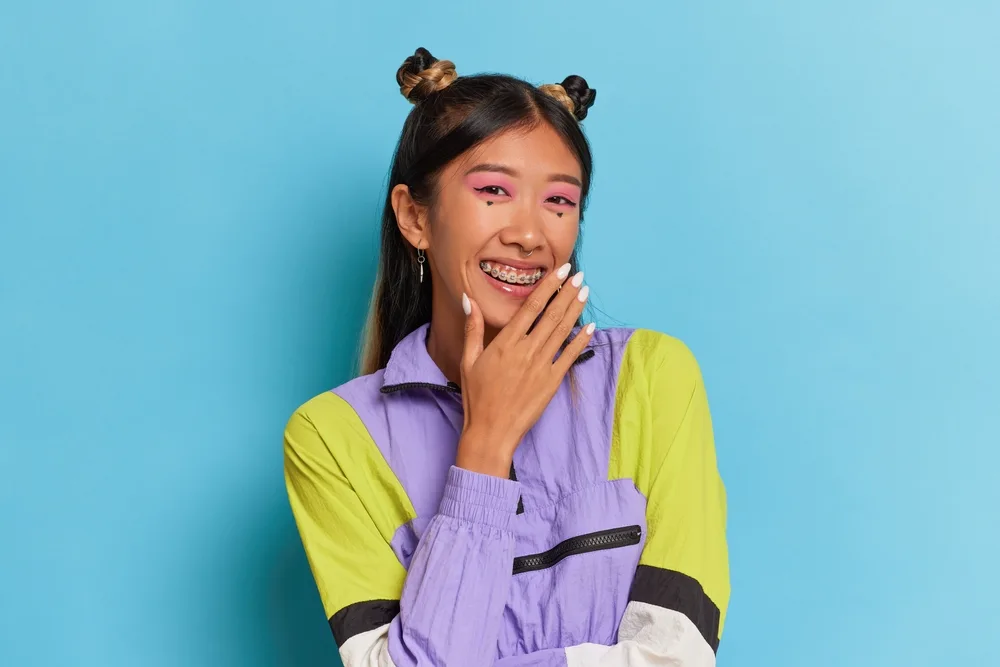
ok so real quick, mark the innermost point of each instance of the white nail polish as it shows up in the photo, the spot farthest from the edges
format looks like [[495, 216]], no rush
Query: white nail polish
[[590, 328], [466, 304], [578, 279], [584, 293], [563, 271]]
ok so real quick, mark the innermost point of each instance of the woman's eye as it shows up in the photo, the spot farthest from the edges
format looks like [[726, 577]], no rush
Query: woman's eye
[[561, 201], [493, 190]]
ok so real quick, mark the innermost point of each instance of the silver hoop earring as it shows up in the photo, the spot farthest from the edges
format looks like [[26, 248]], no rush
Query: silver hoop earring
[[421, 258]]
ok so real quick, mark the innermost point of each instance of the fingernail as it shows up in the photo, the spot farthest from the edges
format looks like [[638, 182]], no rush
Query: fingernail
[[578, 279], [563, 271], [584, 293], [466, 304], [590, 328]]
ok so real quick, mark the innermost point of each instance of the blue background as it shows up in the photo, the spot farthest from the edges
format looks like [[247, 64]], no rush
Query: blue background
[[807, 195]]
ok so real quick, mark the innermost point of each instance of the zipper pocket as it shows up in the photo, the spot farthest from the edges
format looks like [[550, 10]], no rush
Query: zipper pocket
[[605, 539]]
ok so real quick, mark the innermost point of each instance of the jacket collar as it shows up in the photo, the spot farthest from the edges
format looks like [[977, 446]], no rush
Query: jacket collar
[[411, 367]]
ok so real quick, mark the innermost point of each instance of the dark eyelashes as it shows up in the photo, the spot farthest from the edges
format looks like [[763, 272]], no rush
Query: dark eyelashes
[[497, 191]]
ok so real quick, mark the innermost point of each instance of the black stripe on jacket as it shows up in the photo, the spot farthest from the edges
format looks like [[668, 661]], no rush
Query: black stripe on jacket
[[675, 590], [362, 617]]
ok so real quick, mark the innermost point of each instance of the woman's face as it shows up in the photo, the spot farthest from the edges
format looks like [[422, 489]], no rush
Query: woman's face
[[506, 213]]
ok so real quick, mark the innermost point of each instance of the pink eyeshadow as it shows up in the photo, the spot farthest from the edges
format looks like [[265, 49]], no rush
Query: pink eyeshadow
[[564, 190], [484, 179]]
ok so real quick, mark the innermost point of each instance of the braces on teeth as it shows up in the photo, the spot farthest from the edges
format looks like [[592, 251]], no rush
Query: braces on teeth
[[510, 275]]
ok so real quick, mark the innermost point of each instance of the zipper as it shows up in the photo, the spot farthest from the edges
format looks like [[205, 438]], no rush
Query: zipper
[[453, 388], [605, 539]]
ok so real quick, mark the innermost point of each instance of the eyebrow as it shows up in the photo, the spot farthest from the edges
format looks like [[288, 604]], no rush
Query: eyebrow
[[513, 173]]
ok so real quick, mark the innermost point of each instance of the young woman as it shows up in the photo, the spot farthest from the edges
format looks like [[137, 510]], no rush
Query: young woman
[[503, 486]]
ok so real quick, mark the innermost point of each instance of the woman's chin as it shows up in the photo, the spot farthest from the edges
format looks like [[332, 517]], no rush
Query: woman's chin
[[498, 315]]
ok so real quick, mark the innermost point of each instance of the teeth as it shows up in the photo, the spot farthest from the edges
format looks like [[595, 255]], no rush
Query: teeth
[[509, 275]]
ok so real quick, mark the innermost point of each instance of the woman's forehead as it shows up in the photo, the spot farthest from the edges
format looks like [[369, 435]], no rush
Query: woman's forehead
[[536, 151]]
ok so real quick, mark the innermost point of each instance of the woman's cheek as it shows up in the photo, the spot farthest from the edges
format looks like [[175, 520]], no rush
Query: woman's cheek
[[481, 219], [565, 231]]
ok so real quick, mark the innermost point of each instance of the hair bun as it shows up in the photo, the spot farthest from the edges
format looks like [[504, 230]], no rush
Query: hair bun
[[422, 74], [583, 96]]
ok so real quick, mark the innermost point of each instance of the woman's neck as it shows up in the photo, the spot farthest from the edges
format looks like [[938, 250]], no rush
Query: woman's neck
[[446, 342]]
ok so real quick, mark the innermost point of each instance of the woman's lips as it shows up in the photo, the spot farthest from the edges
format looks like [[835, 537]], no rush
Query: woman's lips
[[510, 289]]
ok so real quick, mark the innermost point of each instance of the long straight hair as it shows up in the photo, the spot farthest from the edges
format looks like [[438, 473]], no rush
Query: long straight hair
[[450, 116]]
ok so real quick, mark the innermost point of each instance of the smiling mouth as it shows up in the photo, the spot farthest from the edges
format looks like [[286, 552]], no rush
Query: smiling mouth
[[512, 275]]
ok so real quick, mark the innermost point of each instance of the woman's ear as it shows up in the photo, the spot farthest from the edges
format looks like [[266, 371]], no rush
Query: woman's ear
[[411, 217]]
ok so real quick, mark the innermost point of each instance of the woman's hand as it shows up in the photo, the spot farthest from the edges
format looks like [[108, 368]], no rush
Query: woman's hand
[[506, 387]]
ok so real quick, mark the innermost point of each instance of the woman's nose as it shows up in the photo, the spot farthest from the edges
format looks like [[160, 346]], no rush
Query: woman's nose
[[525, 230]]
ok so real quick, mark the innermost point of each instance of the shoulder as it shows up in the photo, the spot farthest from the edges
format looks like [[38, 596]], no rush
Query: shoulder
[[646, 356], [646, 346], [322, 421], [658, 383], [328, 446], [659, 367], [660, 353], [340, 406]]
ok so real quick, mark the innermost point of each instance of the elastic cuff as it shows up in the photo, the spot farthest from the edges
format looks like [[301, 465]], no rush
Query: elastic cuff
[[479, 498]]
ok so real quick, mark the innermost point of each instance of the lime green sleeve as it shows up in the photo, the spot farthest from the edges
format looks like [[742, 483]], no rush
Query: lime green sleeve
[[347, 505], [663, 439]]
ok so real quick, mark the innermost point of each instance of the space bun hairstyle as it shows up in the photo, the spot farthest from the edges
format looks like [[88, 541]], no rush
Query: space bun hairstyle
[[573, 93], [450, 115], [422, 74]]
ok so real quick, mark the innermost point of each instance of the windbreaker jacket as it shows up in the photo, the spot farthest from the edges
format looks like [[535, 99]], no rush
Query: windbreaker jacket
[[606, 546]]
